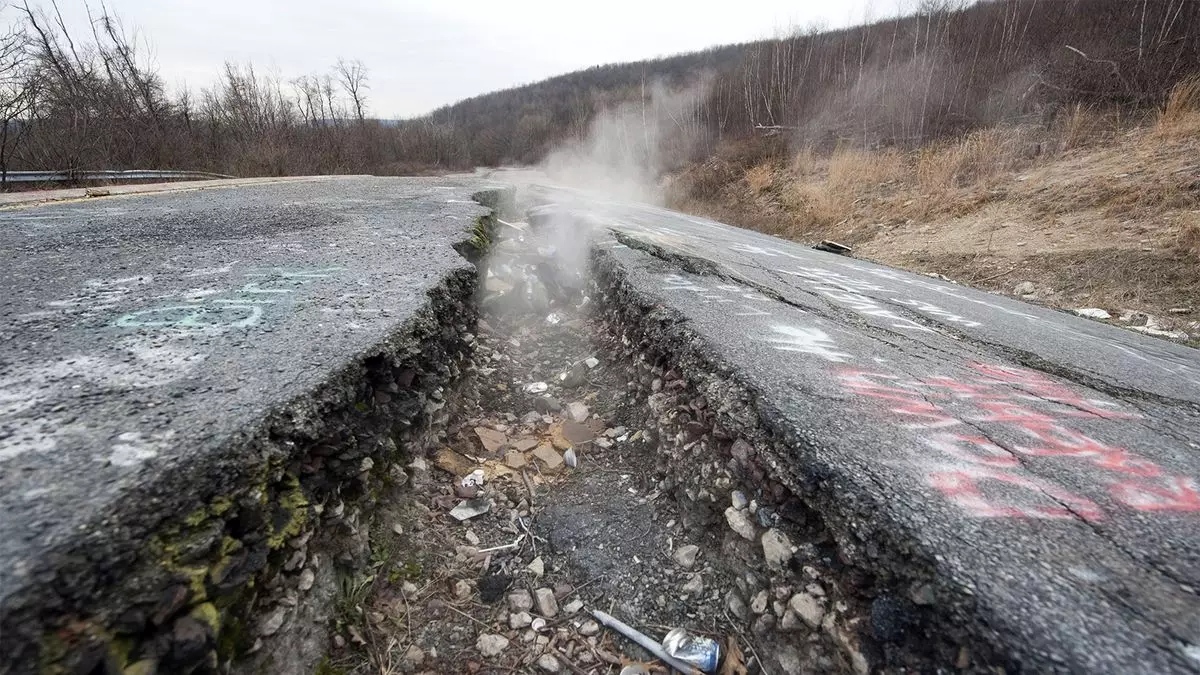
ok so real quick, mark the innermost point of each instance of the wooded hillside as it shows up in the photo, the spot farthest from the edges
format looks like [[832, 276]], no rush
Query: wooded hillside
[[88, 102]]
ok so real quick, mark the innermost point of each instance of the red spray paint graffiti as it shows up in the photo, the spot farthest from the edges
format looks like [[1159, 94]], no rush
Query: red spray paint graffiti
[[1001, 395]]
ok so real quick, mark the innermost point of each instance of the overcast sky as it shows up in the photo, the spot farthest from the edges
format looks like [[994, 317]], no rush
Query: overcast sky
[[425, 53]]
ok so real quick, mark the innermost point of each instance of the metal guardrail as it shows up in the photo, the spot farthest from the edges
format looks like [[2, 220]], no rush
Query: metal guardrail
[[80, 176]]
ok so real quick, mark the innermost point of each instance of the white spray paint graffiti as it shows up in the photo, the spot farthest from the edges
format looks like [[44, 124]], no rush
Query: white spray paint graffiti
[[846, 292], [808, 341], [219, 309]]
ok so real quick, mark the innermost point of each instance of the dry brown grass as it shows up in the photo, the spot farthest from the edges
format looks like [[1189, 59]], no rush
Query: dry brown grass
[[1181, 115], [973, 158], [1085, 127], [760, 178], [849, 168]]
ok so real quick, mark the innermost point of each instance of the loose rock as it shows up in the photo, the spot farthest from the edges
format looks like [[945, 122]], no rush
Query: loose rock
[[490, 645], [519, 620], [546, 604], [808, 608], [740, 522], [520, 601], [538, 567], [777, 548], [548, 663], [685, 556]]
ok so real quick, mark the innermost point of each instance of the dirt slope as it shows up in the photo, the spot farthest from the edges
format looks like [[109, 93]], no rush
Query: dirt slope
[[1089, 213]]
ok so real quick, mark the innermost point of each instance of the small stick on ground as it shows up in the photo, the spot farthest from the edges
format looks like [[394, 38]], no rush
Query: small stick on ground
[[562, 658]]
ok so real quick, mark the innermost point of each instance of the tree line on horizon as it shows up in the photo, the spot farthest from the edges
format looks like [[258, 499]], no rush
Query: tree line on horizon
[[90, 101]]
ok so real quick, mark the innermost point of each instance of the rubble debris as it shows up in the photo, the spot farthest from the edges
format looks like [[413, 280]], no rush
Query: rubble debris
[[453, 463], [808, 607], [591, 362], [536, 388]]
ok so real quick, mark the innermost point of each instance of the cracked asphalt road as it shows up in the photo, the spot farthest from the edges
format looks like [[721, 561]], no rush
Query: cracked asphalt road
[[142, 335], [1044, 466]]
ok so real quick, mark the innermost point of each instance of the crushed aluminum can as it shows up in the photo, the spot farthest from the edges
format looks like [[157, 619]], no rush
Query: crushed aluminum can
[[702, 652], [536, 387]]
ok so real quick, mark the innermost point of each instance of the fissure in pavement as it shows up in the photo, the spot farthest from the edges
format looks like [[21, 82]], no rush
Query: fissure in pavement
[[622, 472]]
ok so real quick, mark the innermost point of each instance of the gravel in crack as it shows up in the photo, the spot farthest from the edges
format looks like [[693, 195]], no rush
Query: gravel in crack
[[571, 516]]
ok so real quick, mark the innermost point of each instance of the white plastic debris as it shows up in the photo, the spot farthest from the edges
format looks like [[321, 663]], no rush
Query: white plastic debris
[[536, 387], [473, 479], [1093, 313], [570, 458]]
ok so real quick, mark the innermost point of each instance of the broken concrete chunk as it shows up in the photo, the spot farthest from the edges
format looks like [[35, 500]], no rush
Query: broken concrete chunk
[[738, 499], [572, 607], [547, 606], [514, 459], [1024, 288], [548, 663], [591, 362]]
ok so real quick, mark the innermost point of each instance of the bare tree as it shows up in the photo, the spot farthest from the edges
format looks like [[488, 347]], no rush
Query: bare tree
[[16, 94], [352, 76]]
